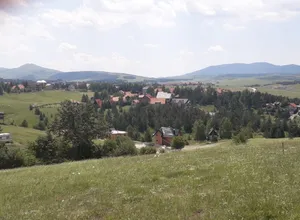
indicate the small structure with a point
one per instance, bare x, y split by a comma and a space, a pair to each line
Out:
49, 86
18, 88
180, 101
154, 101
98, 102
6, 138
71, 88
165, 135
164, 95
213, 135
146, 98
293, 108
145, 89
115, 133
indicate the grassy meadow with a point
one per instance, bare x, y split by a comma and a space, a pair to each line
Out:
254, 181
16, 108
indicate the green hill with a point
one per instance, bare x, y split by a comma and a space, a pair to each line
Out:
256, 181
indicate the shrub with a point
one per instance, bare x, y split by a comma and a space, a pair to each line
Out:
14, 158
37, 111
178, 143
49, 149
242, 137
125, 146
147, 150
24, 124
106, 150
40, 126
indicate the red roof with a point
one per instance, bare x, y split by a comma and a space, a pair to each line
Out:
157, 101
293, 105
172, 90
21, 86
99, 102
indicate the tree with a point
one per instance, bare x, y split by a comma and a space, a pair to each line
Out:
125, 146
24, 124
130, 131
37, 111
148, 136
226, 129
1, 91
79, 124
178, 143
199, 131
85, 98
293, 129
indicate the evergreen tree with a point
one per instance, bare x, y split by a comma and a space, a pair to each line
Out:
199, 131
293, 129
24, 124
130, 131
148, 136
226, 129
84, 98
1, 91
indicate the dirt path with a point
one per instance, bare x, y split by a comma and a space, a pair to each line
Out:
196, 147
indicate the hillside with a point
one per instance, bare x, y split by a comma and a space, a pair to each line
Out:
227, 182
241, 68
34, 72
95, 76
27, 71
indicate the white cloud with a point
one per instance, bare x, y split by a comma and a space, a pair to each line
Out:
66, 47
151, 45
216, 48
230, 27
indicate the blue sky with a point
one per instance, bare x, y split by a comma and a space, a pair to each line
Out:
149, 37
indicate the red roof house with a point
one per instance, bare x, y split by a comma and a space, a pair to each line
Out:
99, 102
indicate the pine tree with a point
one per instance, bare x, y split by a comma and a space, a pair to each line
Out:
226, 129
148, 136
293, 129
199, 131
1, 91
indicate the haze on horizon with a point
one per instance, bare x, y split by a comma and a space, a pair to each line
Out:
149, 37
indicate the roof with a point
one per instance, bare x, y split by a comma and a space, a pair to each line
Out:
41, 81
180, 101
118, 132
172, 90
135, 101
4, 134
293, 105
99, 102
129, 94
114, 99
21, 86
168, 132
146, 87
157, 101
163, 95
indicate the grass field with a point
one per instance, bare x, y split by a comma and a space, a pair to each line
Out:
255, 181
16, 106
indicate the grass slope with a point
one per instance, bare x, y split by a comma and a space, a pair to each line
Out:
256, 181
21, 136
16, 106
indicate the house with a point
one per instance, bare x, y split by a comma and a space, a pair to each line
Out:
146, 98
165, 135
49, 86
254, 90
164, 95
293, 108
180, 101
219, 91
213, 135
114, 99
154, 101
18, 88
71, 88
98, 102
145, 89
172, 89
135, 102
113, 134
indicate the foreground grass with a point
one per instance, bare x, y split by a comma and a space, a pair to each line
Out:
255, 181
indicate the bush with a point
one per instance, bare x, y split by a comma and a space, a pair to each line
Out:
24, 124
14, 158
40, 126
37, 111
125, 146
147, 150
243, 136
49, 149
106, 150
178, 143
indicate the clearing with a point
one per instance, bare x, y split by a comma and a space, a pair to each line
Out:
254, 181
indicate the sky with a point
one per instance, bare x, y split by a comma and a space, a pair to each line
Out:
155, 38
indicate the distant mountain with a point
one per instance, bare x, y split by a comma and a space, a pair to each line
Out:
95, 76
241, 68
34, 72
27, 71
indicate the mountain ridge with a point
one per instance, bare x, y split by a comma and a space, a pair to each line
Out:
32, 71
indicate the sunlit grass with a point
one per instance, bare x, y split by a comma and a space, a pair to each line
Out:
253, 181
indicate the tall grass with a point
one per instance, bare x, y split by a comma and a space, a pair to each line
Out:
254, 181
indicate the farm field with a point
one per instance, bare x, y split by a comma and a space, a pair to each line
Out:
259, 180
16, 106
